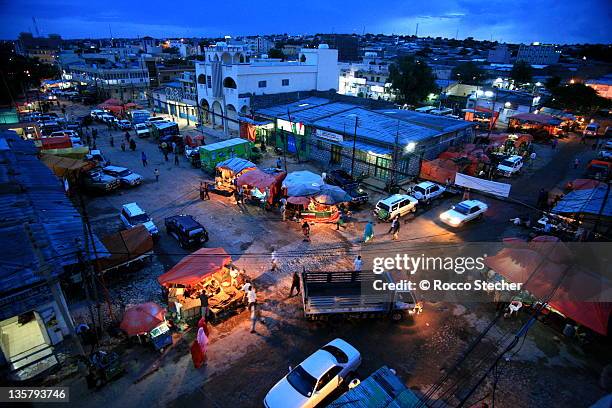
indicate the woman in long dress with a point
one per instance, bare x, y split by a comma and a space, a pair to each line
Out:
198, 348
368, 232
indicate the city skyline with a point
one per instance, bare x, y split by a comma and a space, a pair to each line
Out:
585, 22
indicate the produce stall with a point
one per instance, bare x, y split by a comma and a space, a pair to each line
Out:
228, 171
210, 271
257, 181
318, 206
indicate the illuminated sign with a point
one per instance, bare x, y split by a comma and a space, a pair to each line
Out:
324, 134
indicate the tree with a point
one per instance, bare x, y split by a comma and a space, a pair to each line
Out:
411, 80
276, 53
468, 73
521, 72
578, 98
552, 82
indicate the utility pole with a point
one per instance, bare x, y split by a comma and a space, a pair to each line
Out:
56, 292
354, 146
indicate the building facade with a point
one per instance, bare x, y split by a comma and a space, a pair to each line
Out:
229, 76
538, 54
124, 83
499, 55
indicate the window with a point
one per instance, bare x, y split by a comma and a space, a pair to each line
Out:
285, 82
229, 82
209, 81
262, 84
328, 376
201, 79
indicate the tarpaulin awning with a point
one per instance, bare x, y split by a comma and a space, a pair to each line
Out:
541, 119
331, 195
585, 184
63, 165
579, 294
112, 101
260, 179
195, 267
298, 200
112, 108
142, 318
302, 183
590, 201
126, 245
56, 142
439, 170
236, 165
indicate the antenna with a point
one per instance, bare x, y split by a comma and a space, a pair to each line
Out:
36, 27
416, 32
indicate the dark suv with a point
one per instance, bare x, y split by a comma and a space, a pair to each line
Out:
187, 231
346, 182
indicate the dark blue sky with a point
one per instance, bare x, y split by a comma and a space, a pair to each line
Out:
558, 21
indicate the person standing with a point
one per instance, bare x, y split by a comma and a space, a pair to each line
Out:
165, 153
206, 195
283, 208
156, 173
357, 264
204, 304
279, 163
576, 163
122, 147
143, 157
201, 191
395, 227
176, 159
554, 144
253, 317
306, 231
295, 284
132, 145
251, 297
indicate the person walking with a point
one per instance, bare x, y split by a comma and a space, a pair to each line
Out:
143, 157
306, 231
395, 227
279, 163
132, 145
206, 195
254, 313
295, 284
156, 173
554, 144
368, 232
176, 159
127, 136
112, 141
202, 191
283, 208
122, 146
357, 264
251, 296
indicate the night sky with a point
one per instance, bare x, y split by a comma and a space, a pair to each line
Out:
557, 21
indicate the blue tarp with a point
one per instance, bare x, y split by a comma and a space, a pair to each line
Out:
585, 201
236, 164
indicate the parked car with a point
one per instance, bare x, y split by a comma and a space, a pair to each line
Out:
124, 124
149, 122
606, 151
96, 156
397, 204
126, 176
591, 130
132, 215
96, 181
427, 191
344, 180
142, 130
96, 113
510, 166
316, 377
463, 212
186, 230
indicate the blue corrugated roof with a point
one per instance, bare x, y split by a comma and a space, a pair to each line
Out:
588, 201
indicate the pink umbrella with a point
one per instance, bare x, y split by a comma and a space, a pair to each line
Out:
142, 318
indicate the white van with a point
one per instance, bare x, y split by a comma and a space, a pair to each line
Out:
510, 166
397, 204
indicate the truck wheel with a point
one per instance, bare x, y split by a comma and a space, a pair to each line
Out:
397, 316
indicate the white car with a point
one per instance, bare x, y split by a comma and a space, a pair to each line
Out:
427, 191
510, 166
96, 113
149, 122
132, 215
127, 177
606, 152
316, 377
142, 130
397, 204
463, 212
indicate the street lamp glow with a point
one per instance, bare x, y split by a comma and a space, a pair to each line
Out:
507, 104
410, 147
489, 94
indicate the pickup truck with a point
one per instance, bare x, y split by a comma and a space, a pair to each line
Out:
427, 191
348, 183
142, 130
351, 293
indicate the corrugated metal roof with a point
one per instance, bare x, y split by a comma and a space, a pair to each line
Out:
226, 143
589, 201
279, 110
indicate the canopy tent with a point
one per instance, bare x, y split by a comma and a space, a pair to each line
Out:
589, 201
439, 170
331, 195
113, 108
125, 246
261, 180
577, 293
195, 267
62, 166
56, 142
302, 183
142, 318
131, 105
112, 101
299, 200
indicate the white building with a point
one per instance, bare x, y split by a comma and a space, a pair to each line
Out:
538, 54
228, 76
368, 79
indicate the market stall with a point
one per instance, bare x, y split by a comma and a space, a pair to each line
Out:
208, 271
228, 171
314, 202
541, 126
147, 322
257, 182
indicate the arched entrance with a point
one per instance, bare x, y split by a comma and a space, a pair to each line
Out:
217, 117
232, 118
204, 112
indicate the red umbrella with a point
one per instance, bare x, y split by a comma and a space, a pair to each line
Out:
142, 318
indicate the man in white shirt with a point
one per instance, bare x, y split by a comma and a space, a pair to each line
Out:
357, 263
